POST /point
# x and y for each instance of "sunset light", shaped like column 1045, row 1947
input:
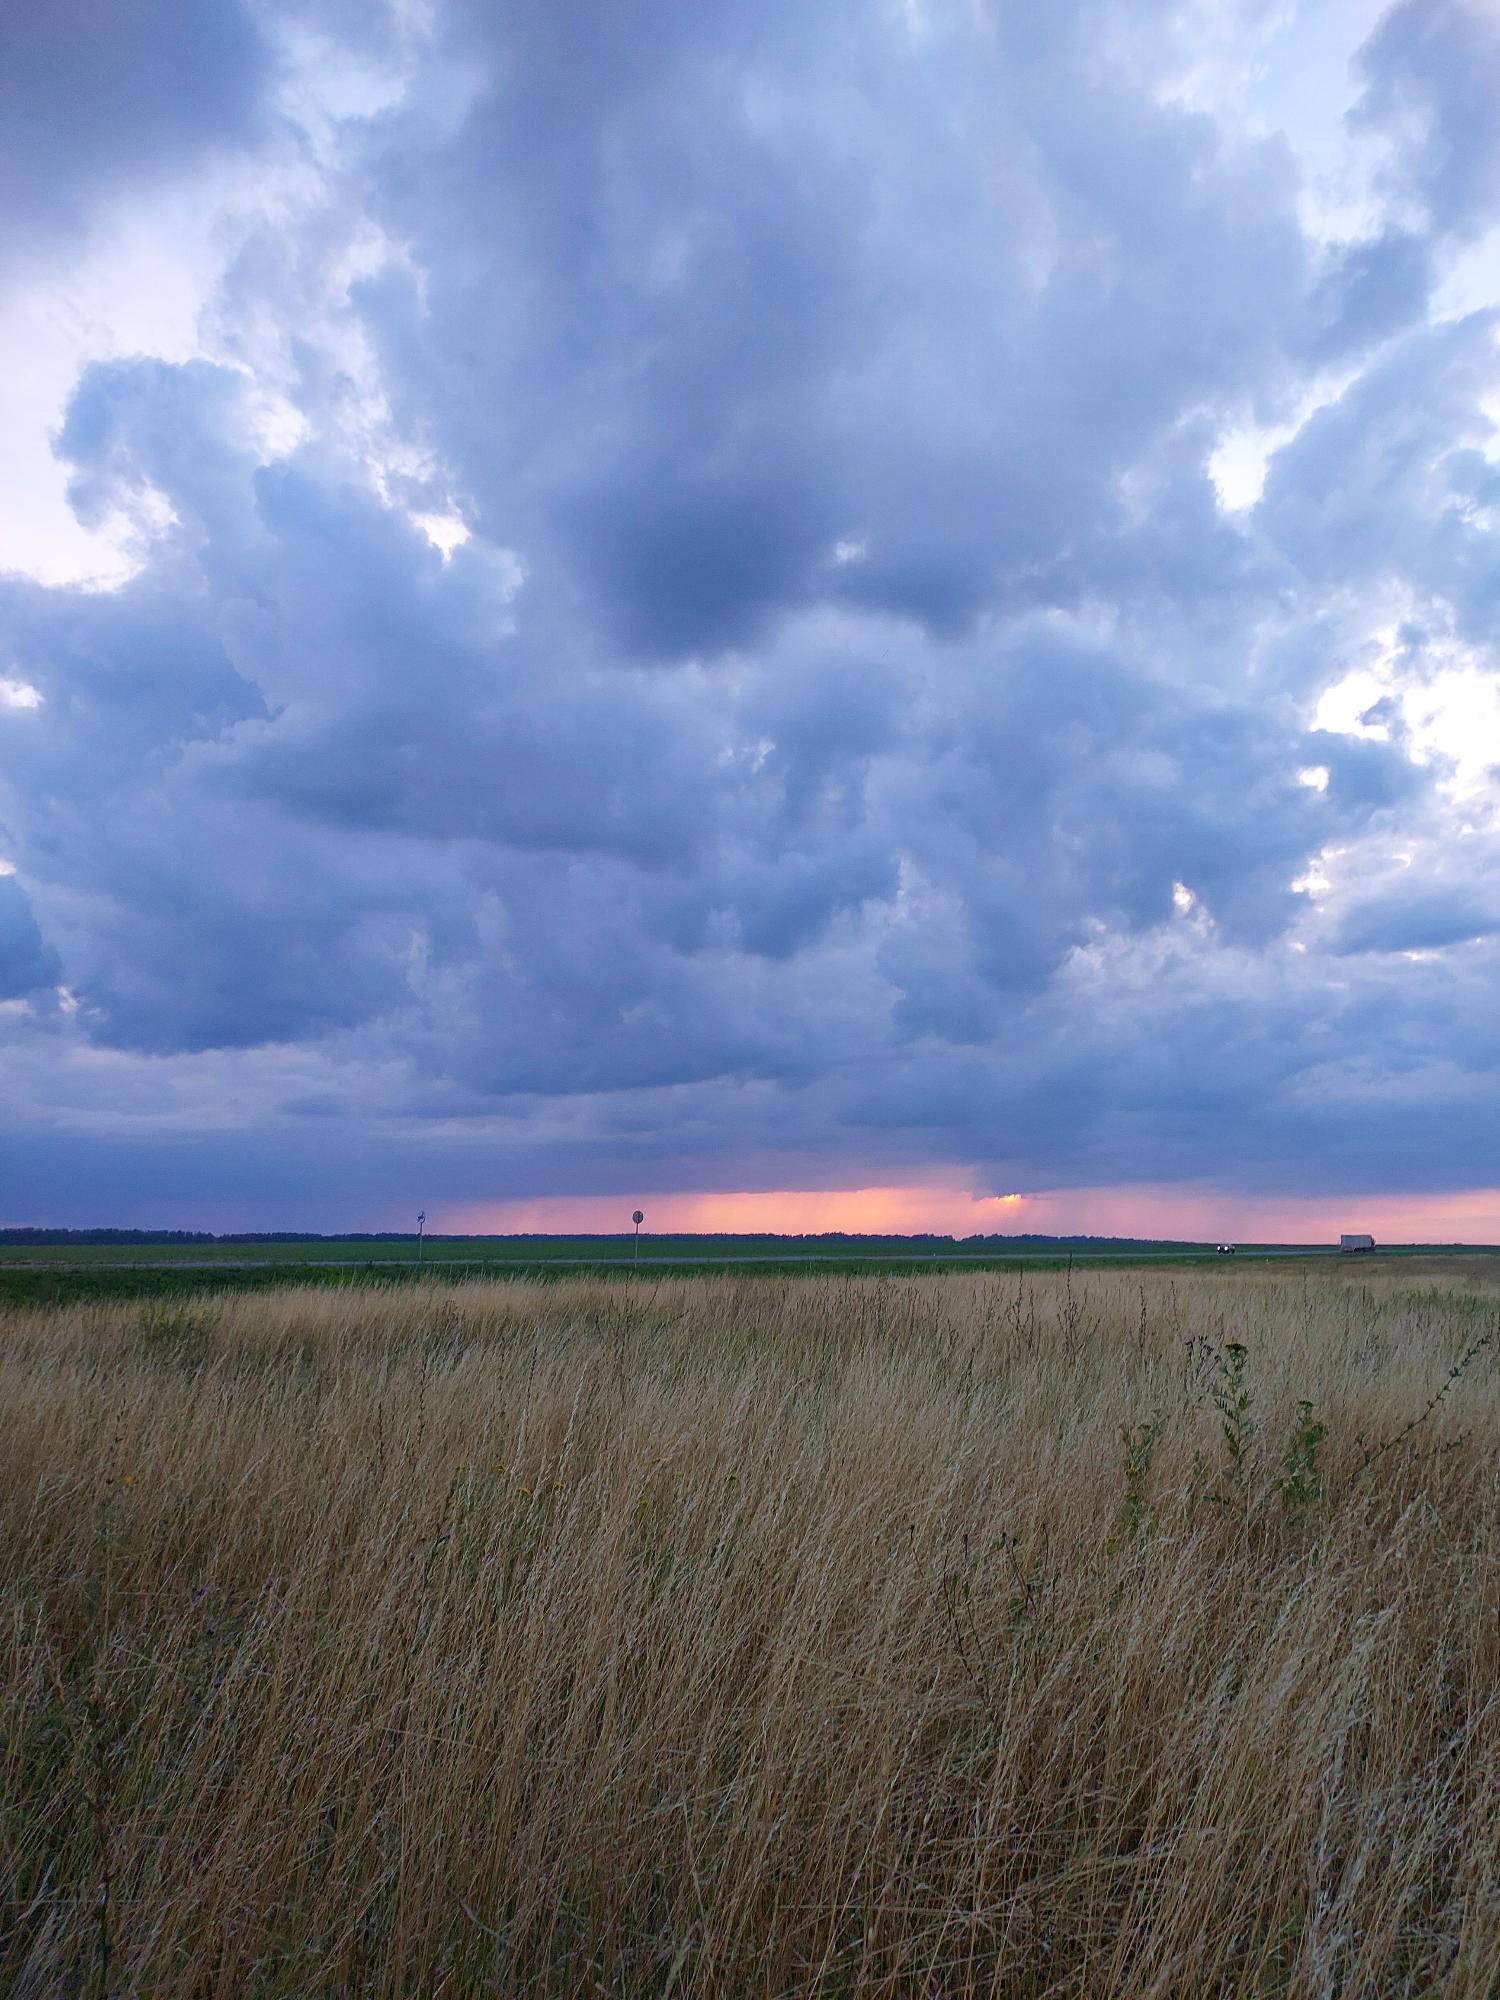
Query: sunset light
column 1193, row 1213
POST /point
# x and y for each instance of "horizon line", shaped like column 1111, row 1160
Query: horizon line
column 15, row 1232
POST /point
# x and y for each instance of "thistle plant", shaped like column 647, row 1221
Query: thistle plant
column 1301, row 1481
column 1231, row 1397
column 1139, row 1442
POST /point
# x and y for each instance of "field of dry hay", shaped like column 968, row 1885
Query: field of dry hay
column 1128, row 1634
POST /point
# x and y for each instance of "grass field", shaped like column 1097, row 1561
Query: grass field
column 872, row 1252
column 55, row 1274
column 1125, row 1632
column 535, row 1250
column 48, row 1275
column 63, row 1273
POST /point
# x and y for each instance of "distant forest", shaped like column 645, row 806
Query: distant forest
column 43, row 1237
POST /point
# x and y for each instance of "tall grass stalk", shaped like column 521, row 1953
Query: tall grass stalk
column 746, row 1637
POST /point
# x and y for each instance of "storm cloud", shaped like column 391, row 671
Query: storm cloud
column 690, row 624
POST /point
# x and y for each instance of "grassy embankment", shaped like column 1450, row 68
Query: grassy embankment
column 56, row 1274
column 1134, row 1634
column 60, row 1273
column 64, row 1273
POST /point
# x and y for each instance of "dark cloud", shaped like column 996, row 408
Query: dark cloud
column 1390, row 488
column 97, row 96
column 26, row 964
column 850, row 734
column 1369, row 289
column 759, row 294
column 1417, row 919
column 1432, row 80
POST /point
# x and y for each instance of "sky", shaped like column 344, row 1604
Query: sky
column 872, row 615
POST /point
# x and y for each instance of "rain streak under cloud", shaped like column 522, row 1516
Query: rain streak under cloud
column 610, row 601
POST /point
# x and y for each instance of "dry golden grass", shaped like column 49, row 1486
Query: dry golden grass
column 755, row 1637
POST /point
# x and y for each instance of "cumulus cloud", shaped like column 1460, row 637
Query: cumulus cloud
column 1424, row 918
column 95, row 98
column 1432, row 75
column 25, row 962
column 683, row 632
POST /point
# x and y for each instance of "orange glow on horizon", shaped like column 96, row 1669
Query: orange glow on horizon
column 865, row 1211
column 947, row 1208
